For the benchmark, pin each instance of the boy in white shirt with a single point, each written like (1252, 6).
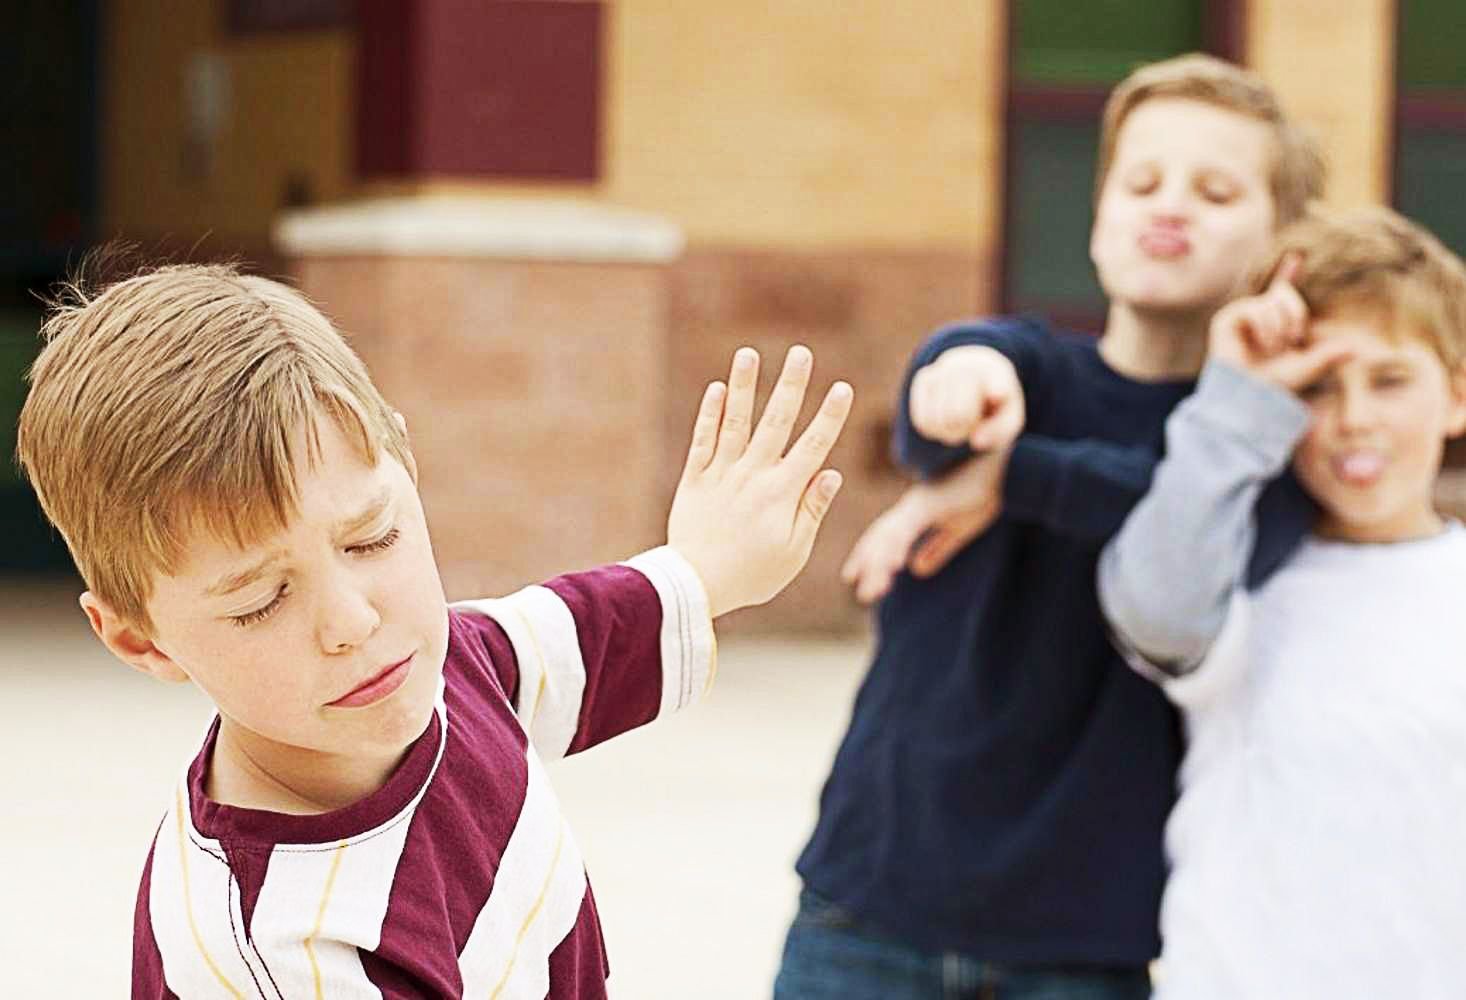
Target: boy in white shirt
(1315, 849)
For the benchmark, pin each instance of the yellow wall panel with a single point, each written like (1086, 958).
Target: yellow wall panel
(1332, 61)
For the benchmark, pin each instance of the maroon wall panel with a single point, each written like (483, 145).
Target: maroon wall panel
(502, 88)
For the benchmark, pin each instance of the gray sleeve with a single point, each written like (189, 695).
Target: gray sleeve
(1166, 580)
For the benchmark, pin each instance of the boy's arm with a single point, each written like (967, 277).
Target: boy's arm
(1166, 580)
(587, 656)
(590, 655)
(1085, 489)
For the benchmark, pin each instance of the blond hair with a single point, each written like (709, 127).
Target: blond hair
(1376, 261)
(173, 400)
(1297, 172)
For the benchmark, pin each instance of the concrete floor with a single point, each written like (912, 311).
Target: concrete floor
(715, 802)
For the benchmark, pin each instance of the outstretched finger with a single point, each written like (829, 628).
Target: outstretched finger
(871, 566)
(1289, 268)
(771, 435)
(705, 429)
(1302, 368)
(738, 408)
(813, 446)
(937, 547)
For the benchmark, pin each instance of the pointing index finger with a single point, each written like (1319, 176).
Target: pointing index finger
(1289, 268)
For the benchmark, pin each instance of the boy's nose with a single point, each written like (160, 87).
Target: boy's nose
(1357, 409)
(347, 620)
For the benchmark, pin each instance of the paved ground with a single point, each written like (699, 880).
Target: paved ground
(689, 827)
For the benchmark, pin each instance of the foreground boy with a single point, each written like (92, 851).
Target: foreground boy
(368, 815)
(993, 822)
(1316, 844)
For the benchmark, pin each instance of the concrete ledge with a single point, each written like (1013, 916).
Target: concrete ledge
(468, 226)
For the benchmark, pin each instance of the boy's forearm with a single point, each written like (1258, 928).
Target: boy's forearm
(1166, 579)
(1077, 489)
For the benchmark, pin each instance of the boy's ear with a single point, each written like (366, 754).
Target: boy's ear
(129, 643)
(411, 458)
(1456, 415)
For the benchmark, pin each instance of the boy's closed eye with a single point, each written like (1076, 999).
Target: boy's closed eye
(1217, 188)
(1390, 378)
(376, 545)
(261, 613)
(1142, 179)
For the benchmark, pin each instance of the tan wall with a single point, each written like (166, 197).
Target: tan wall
(810, 123)
(290, 100)
(1333, 63)
(798, 124)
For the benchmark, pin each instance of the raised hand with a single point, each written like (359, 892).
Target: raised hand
(746, 513)
(969, 395)
(1267, 335)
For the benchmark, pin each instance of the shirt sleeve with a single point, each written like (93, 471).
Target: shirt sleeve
(1080, 489)
(1084, 489)
(592, 655)
(1026, 344)
(1167, 580)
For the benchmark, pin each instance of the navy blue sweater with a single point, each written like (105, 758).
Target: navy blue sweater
(1005, 780)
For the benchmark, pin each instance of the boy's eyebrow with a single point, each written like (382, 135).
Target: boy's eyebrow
(379, 502)
(237, 581)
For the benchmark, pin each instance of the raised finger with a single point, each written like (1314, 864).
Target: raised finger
(738, 408)
(705, 429)
(1289, 268)
(813, 447)
(1295, 311)
(772, 434)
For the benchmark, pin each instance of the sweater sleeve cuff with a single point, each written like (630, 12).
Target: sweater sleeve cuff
(1269, 418)
(688, 643)
(1032, 479)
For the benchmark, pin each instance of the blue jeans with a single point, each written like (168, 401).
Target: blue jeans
(829, 956)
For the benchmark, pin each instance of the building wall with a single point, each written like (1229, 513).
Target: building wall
(1333, 63)
(288, 121)
(796, 124)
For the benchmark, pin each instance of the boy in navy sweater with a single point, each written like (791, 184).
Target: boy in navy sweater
(993, 822)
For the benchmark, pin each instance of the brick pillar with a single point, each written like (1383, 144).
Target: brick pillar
(1333, 64)
(527, 344)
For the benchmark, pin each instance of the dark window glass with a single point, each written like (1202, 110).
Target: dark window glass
(1430, 182)
(1096, 42)
(1432, 53)
(1049, 269)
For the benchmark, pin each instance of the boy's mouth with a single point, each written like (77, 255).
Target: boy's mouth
(375, 688)
(1164, 244)
(1358, 468)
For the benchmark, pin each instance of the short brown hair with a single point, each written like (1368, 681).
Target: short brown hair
(170, 401)
(1378, 262)
(1298, 169)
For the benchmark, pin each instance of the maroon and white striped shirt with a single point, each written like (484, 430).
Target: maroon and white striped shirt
(458, 877)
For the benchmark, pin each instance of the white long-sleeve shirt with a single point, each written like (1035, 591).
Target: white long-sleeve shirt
(1318, 847)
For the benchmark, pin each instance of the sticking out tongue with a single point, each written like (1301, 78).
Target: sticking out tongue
(1360, 467)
